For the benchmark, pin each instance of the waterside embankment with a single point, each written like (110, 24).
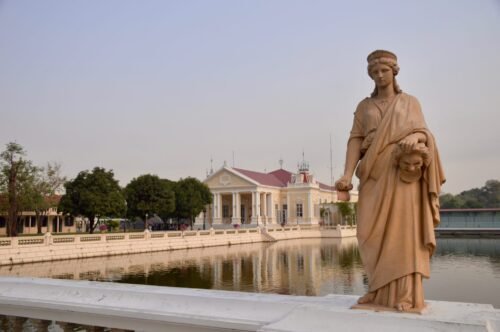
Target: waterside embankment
(49, 247)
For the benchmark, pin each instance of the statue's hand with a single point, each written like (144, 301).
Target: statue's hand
(344, 183)
(409, 143)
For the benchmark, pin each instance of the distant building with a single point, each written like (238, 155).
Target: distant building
(252, 198)
(51, 220)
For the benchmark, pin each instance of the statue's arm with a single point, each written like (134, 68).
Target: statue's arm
(351, 161)
(410, 142)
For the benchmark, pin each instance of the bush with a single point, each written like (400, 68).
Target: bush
(112, 224)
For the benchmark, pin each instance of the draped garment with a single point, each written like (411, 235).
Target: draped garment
(396, 219)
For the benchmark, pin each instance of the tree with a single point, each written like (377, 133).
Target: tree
(17, 175)
(47, 183)
(191, 197)
(148, 194)
(346, 209)
(93, 195)
(487, 196)
(491, 193)
(449, 201)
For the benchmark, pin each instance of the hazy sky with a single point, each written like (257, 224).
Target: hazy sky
(162, 86)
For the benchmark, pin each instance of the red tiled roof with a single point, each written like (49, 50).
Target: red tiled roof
(262, 178)
(277, 178)
(282, 175)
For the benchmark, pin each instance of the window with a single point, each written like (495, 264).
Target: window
(69, 221)
(2, 221)
(27, 221)
(44, 221)
(299, 210)
(225, 211)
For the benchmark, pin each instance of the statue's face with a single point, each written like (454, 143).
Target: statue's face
(410, 167)
(382, 75)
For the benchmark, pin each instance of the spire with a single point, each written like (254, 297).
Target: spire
(281, 163)
(304, 165)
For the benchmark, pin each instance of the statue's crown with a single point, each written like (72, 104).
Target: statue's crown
(381, 54)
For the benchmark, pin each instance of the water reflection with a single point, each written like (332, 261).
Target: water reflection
(301, 267)
(466, 270)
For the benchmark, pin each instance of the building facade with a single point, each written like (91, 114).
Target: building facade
(244, 197)
(51, 220)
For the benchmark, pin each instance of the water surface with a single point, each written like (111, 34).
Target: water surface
(464, 270)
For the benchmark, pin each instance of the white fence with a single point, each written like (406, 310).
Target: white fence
(49, 247)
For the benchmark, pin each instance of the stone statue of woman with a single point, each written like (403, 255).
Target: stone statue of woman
(397, 162)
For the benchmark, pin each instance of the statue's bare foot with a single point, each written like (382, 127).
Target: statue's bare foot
(367, 298)
(403, 306)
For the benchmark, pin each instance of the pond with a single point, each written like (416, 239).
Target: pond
(463, 269)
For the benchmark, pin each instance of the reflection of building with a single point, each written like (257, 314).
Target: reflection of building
(280, 197)
(51, 220)
(301, 267)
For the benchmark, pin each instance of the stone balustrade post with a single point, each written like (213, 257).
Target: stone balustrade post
(47, 239)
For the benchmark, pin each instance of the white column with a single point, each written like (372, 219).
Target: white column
(264, 207)
(235, 219)
(253, 207)
(217, 209)
(214, 204)
(289, 208)
(311, 207)
(270, 208)
(233, 201)
(257, 204)
(238, 206)
(219, 206)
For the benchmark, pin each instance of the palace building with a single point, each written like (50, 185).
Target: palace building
(51, 220)
(244, 197)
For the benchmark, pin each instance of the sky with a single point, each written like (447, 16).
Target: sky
(163, 87)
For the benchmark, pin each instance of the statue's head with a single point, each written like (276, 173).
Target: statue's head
(411, 163)
(386, 58)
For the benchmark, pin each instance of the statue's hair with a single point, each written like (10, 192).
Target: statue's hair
(395, 70)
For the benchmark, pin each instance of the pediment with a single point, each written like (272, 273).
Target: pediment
(227, 178)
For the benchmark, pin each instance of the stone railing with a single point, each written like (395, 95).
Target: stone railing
(49, 247)
(155, 308)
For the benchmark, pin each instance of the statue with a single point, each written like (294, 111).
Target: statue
(397, 162)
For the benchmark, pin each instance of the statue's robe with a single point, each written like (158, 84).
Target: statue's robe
(396, 219)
